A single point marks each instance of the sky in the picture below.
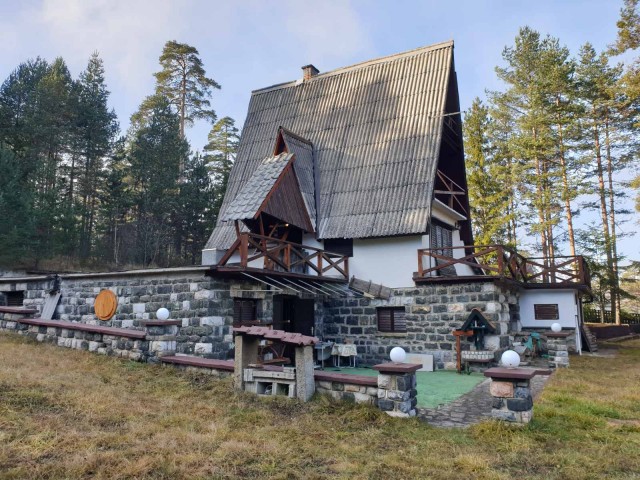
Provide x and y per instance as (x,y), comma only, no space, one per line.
(246,45)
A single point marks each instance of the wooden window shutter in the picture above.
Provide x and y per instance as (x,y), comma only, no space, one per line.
(399,321)
(546,311)
(384,320)
(392,319)
(244,311)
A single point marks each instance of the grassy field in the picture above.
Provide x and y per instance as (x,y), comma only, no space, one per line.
(69,414)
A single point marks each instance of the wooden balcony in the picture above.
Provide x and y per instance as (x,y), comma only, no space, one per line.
(253,252)
(478,262)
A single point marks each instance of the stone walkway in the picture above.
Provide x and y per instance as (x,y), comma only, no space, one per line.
(472,407)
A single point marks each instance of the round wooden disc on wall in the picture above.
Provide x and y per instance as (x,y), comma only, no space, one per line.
(105,305)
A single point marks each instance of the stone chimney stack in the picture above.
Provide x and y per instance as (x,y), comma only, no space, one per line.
(309,71)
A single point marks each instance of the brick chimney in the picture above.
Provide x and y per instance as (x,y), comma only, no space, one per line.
(309,71)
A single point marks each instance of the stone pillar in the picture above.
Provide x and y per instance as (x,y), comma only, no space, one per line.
(511,392)
(558,349)
(305,381)
(246,353)
(397,394)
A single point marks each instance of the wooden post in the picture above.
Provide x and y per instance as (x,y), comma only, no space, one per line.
(244,249)
(320,263)
(420,269)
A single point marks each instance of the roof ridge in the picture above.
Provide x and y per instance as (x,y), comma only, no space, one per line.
(337,71)
(295,135)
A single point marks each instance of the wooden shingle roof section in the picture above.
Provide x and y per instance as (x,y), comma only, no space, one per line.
(375,130)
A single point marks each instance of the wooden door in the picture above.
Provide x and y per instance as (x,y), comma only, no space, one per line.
(303,316)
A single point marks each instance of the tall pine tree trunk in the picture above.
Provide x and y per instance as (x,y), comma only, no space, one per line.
(604,214)
(612,226)
(565,189)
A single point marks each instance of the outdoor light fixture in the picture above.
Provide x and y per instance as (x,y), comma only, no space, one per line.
(510,359)
(162,314)
(397,355)
(556,327)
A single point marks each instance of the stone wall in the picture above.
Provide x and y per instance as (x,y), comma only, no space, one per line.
(432,313)
(344,390)
(203,305)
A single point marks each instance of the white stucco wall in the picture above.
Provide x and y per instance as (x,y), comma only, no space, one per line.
(387,261)
(567,307)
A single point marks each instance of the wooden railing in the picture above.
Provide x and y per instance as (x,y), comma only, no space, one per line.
(502,261)
(451,192)
(282,256)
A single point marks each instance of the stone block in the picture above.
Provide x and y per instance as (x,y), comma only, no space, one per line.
(162,346)
(204,295)
(384,381)
(404,407)
(504,415)
(397,395)
(386,405)
(501,389)
(497,403)
(404,382)
(351,388)
(362,398)
(203,348)
(139,307)
(93,346)
(212,321)
(520,404)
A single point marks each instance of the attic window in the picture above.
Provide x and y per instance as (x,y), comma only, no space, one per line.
(392,320)
(245,311)
(15,299)
(343,246)
(546,311)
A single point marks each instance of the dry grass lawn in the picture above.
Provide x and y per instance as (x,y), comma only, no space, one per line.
(69,414)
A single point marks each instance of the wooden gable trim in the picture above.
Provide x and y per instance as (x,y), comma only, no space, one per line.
(289,178)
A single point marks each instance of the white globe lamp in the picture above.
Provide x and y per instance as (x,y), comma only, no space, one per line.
(510,359)
(162,314)
(556,327)
(398,355)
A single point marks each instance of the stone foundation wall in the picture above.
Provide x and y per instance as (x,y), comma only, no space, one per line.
(339,390)
(432,313)
(132,349)
(203,305)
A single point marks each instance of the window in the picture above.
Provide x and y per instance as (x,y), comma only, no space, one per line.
(245,311)
(343,246)
(441,237)
(14,299)
(391,320)
(546,311)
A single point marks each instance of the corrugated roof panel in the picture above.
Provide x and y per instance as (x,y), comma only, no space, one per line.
(375,129)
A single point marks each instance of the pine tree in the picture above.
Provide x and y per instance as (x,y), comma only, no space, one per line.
(155,154)
(183,82)
(220,153)
(526,104)
(488,197)
(195,206)
(97,126)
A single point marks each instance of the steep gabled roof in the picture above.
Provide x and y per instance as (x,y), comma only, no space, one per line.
(376,130)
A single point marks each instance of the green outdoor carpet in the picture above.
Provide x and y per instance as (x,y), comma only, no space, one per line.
(434,388)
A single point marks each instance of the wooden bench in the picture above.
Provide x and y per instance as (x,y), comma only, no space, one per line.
(117,332)
(18,310)
(199,362)
(364,380)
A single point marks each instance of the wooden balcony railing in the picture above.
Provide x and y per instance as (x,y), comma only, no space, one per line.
(502,261)
(282,256)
